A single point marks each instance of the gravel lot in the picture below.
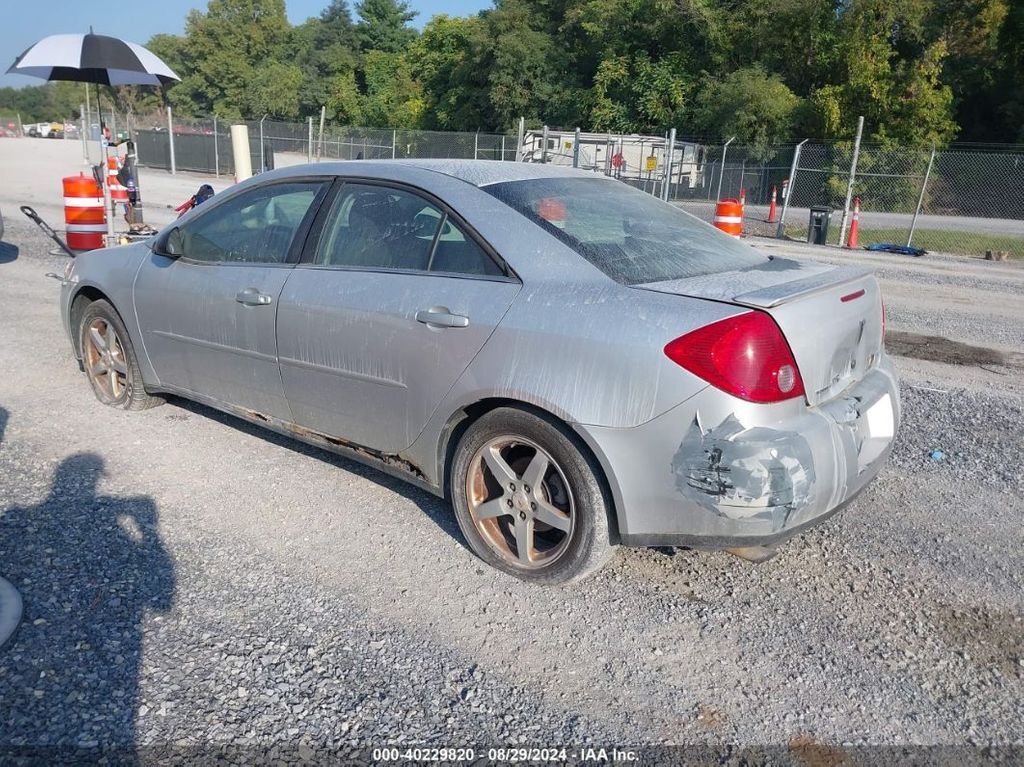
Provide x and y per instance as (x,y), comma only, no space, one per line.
(191,581)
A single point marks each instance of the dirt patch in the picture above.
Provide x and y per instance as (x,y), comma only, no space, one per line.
(987,638)
(938,349)
(809,751)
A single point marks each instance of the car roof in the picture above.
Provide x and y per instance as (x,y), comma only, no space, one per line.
(475,172)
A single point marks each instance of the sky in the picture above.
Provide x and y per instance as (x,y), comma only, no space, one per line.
(138,20)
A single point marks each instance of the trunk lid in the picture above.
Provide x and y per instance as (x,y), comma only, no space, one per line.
(831,316)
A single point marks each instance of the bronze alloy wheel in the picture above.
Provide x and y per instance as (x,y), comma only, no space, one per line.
(105,360)
(520,502)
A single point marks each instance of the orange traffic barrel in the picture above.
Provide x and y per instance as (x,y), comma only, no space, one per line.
(729,216)
(84,218)
(118,193)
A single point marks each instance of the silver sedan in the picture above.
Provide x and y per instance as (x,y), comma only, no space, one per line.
(573,363)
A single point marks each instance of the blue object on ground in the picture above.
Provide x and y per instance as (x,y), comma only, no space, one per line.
(937,455)
(890,247)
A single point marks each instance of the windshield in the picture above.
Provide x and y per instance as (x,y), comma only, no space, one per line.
(629,235)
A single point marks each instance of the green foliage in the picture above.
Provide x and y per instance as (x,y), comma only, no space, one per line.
(384,25)
(750,104)
(921,72)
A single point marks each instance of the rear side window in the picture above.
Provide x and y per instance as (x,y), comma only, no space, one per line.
(627,234)
(378,227)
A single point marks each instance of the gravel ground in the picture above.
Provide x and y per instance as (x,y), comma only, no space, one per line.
(192,581)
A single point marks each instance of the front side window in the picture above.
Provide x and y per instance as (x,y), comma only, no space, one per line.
(257,226)
(628,234)
(377,227)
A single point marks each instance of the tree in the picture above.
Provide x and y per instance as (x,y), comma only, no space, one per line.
(326,50)
(447,58)
(393,97)
(384,25)
(750,104)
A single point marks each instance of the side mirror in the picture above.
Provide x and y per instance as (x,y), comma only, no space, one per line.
(169,243)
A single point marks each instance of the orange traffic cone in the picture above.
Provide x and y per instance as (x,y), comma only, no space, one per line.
(771,207)
(851,241)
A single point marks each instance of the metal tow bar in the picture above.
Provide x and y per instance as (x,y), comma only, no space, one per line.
(47,229)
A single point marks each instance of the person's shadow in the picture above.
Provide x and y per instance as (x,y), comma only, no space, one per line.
(89,568)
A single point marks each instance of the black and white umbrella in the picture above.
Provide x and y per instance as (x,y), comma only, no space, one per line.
(92,59)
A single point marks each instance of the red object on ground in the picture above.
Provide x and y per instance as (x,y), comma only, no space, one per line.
(84,218)
(729,217)
(771,208)
(851,241)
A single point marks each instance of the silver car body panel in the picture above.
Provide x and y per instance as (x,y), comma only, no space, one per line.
(359,375)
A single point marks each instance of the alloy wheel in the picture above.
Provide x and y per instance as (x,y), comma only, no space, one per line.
(520,502)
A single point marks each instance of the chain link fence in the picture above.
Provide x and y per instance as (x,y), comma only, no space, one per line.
(964,199)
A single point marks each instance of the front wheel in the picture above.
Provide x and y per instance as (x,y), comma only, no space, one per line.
(109,359)
(527,500)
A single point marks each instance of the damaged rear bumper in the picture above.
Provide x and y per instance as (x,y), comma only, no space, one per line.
(717,471)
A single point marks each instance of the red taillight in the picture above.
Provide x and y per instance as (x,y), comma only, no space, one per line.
(746,356)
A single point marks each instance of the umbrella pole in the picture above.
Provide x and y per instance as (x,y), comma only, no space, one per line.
(107,204)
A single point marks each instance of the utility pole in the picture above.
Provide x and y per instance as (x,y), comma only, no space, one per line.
(780,233)
(920,199)
(725,148)
(849,185)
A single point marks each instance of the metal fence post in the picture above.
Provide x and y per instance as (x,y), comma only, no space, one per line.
(320,137)
(576,149)
(216,149)
(666,190)
(920,200)
(309,142)
(170,140)
(725,148)
(85,143)
(263,159)
(780,232)
(521,137)
(544,145)
(394,144)
(849,185)
(476,143)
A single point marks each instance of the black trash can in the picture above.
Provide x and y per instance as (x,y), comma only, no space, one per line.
(817,227)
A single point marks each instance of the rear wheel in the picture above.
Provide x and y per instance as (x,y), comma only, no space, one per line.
(527,499)
(109,360)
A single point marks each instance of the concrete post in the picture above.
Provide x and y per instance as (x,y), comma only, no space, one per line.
(240,151)
(263,159)
(394,144)
(576,149)
(522,137)
(544,145)
(309,143)
(320,137)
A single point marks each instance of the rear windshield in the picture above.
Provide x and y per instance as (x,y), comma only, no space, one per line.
(629,235)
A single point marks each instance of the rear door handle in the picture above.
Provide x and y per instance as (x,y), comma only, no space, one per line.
(252,297)
(441,317)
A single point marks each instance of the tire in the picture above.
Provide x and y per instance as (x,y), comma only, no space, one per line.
(115,377)
(497,509)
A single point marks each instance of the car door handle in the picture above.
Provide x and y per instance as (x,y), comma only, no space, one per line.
(252,297)
(440,317)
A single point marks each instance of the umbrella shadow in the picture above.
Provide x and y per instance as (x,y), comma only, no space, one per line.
(90,569)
